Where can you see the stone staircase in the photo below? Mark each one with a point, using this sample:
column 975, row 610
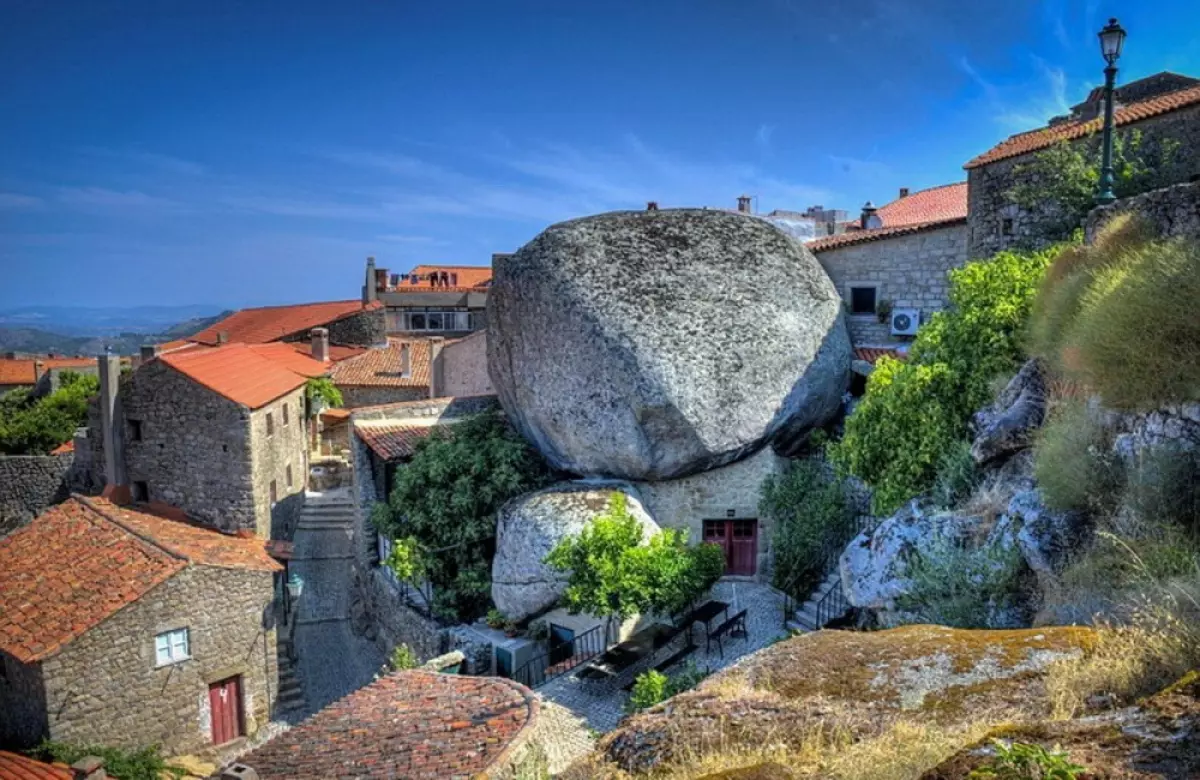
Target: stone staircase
column 327, row 513
column 290, row 697
column 835, row 606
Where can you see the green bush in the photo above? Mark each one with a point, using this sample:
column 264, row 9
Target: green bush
column 957, row 475
column 34, row 427
column 1164, row 486
column 144, row 764
column 445, row 500
column 953, row 585
column 1073, row 463
column 808, row 508
column 915, row 411
column 650, row 688
column 1024, row 761
column 403, row 657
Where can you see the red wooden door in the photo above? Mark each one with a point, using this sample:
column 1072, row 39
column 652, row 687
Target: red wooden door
column 225, row 702
column 739, row 540
column 717, row 532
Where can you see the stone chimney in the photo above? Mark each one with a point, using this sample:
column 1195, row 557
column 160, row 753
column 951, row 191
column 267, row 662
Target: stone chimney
column 369, row 283
column 868, row 216
column 149, row 352
column 904, row 192
column 110, row 420
column 652, row 205
column 320, row 344
column 744, row 204
column 437, row 379
column 222, row 337
column 89, row 768
column 39, row 368
column 405, row 361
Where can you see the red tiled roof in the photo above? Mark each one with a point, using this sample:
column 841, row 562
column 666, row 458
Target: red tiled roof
column 878, row 234
column 272, row 323
column 415, row 724
column 468, row 275
column 336, row 351
column 1035, row 140
column 392, row 441
column 20, row 371
column 64, row 448
column 18, row 767
column 81, row 561
column 871, row 354
column 949, row 201
column 249, row 374
column 381, row 367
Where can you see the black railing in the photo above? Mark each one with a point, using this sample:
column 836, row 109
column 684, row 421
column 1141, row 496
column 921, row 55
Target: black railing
column 563, row 657
column 824, row 562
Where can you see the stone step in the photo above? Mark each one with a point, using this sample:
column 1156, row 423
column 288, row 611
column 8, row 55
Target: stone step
column 796, row 625
column 325, row 524
column 328, row 513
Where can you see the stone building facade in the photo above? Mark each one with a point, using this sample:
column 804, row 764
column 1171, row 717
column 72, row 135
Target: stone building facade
column 465, row 368
column 29, row 484
column 365, row 328
column 996, row 223
column 906, row 266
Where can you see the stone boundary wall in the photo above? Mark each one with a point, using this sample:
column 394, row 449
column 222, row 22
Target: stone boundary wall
column 29, row 484
column 379, row 613
column 354, row 396
column 367, row 328
column 1173, row 211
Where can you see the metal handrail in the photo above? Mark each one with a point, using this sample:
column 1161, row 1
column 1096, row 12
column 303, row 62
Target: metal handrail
column 828, row 557
column 539, row 670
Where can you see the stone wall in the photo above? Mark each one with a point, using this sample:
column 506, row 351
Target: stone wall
column 367, row 328
column 730, row 492
column 104, row 687
column 195, row 452
column 379, row 612
column 910, row 271
column 988, row 186
column 354, row 396
column 272, row 455
column 23, row 717
column 1173, row 211
column 29, row 484
column 465, row 366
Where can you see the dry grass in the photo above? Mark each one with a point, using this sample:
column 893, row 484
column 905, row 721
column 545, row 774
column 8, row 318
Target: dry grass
column 989, row 500
column 905, row 751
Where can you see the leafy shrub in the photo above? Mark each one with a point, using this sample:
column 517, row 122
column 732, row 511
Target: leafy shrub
column 1164, row 486
column 403, row 657
column 957, row 475
column 953, row 585
column 650, row 688
column 808, row 507
column 34, row 427
column 446, row 500
column 915, row 411
column 1024, row 761
column 144, row 764
column 322, row 391
column 1073, row 464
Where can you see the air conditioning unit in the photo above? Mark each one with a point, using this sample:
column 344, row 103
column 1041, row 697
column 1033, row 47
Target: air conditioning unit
column 905, row 322
column 512, row 655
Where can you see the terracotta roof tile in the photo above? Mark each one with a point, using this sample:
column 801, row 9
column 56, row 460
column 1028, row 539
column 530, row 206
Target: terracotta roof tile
column 337, row 352
column 380, row 367
column 64, row 448
column 249, row 374
column 1035, row 140
column 421, row 725
column 272, row 323
column 81, row 561
column 468, row 277
column 20, row 371
column 878, row 234
column 949, row 201
column 18, row 767
column 392, row 440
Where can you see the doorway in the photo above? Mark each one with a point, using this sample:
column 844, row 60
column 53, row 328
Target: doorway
column 739, row 540
column 225, row 703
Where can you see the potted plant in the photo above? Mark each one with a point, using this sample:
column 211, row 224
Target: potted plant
column 495, row 618
column 538, row 630
column 510, row 628
column 883, row 310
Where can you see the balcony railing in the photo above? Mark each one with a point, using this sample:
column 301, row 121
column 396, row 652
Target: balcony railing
column 563, row 657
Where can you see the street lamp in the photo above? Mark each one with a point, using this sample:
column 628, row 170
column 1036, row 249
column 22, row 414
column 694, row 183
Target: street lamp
column 1112, row 40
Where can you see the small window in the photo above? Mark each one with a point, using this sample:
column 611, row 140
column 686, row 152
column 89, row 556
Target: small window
column 1006, row 227
column 274, row 492
column 862, row 300
column 289, row 475
column 135, row 430
column 285, row 414
column 171, row 647
column 141, row 492
column 270, row 423
column 418, row 322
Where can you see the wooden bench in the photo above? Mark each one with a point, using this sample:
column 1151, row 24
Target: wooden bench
column 734, row 627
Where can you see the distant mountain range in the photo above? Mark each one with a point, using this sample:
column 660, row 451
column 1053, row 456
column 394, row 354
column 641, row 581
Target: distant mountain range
column 76, row 331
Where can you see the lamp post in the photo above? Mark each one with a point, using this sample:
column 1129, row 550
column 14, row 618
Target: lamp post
column 1112, row 39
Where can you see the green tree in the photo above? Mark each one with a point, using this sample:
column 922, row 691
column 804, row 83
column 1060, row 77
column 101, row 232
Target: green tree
column 1068, row 173
column 35, row 426
column 144, row 764
column 445, row 500
column 321, row 390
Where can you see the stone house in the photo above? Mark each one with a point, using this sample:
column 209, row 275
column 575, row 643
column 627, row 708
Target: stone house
column 1165, row 106
column 221, row 433
column 443, row 300
column 411, row 369
column 126, row 628
column 39, row 373
column 898, row 257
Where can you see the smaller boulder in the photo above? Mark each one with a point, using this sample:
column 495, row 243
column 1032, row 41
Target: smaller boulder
column 1046, row 538
column 1008, row 426
column 530, row 526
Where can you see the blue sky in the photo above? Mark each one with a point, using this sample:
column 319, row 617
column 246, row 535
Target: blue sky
column 255, row 153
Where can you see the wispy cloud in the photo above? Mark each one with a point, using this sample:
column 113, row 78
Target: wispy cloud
column 125, row 202
column 1026, row 105
column 762, row 139
column 15, row 200
column 160, row 162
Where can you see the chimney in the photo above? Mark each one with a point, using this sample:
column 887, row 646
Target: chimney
column 320, row 344
column 437, row 380
column 222, row 337
column 369, row 283
column 89, row 768
column 149, row 352
column 868, row 216
column 904, row 192
column 239, row 772
column 405, row 361
column 39, row 368
column 110, row 420
column 652, row 205
column 744, row 204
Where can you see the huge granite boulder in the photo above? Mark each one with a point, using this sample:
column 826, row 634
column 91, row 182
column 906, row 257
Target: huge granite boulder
column 1009, row 425
column 653, row 345
column 528, row 528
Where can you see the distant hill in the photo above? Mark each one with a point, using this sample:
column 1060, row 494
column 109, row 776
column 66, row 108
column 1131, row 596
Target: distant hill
column 104, row 321
column 27, row 339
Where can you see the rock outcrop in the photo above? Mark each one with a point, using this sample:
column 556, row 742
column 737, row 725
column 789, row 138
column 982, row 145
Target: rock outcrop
column 653, row 345
column 1009, row 425
column 529, row 526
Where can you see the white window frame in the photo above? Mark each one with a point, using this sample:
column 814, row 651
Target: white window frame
column 172, row 647
column 851, row 286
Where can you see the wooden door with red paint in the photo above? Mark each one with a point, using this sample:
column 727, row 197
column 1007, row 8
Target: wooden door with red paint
column 225, row 703
column 739, row 540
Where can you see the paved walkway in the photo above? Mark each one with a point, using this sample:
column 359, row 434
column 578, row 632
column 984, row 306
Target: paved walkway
column 580, row 715
column 333, row 662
